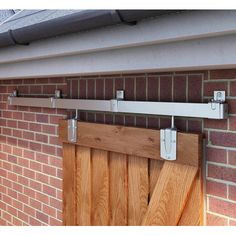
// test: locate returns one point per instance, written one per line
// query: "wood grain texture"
(132, 141)
(138, 189)
(84, 193)
(69, 184)
(170, 194)
(155, 167)
(100, 188)
(192, 213)
(118, 189)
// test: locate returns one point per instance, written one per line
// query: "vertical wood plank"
(83, 185)
(155, 167)
(100, 188)
(69, 184)
(192, 213)
(118, 189)
(170, 194)
(138, 189)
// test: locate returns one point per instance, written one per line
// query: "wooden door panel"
(113, 175)
(138, 186)
(100, 188)
(118, 189)
(83, 183)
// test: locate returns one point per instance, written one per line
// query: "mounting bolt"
(219, 96)
(14, 93)
(58, 93)
(120, 94)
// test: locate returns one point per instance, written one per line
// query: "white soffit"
(189, 40)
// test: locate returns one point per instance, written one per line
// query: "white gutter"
(169, 28)
(211, 53)
(184, 41)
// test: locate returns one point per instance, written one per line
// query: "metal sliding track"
(214, 109)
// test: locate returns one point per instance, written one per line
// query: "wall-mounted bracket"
(72, 130)
(168, 142)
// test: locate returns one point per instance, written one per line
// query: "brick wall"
(30, 154)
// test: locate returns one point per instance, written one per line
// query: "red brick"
(29, 210)
(42, 217)
(36, 89)
(165, 123)
(216, 155)
(213, 220)
(232, 123)
(51, 150)
(29, 116)
(49, 89)
(232, 106)
(49, 170)
(180, 88)
(195, 88)
(141, 94)
(29, 173)
(216, 189)
(82, 89)
(222, 173)
(232, 157)
(119, 84)
(28, 81)
(129, 120)
(223, 74)
(119, 119)
(42, 118)
(22, 125)
(49, 211)
(56, 203)
(42, 178)
(49, 129)
(223, 139)
(222, 207)
(129, 89)
(28, 135)
(153, 88)
(54, 222)
(35, 204)
(55, 119)
(141, 121)
(12, 123)
(29, 192)
(41, 138)
(35, 185)
(215, 124)
(34, 222)
(42, 198)
(35, 127)
(29, 154)
(109, 89)
(40, 157)
(17, 115)
(49, 190)
(17, 133)
(74, 89)
(99, 89)
(35, 166)
(90, 89)
(210, 87)
(55, 182)
(35, 146)
(181, 125)
(232, 222)
(165, 88)
(22, 143)
(232, 193)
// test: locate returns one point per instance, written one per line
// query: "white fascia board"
(163, 29)
(210, 53)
